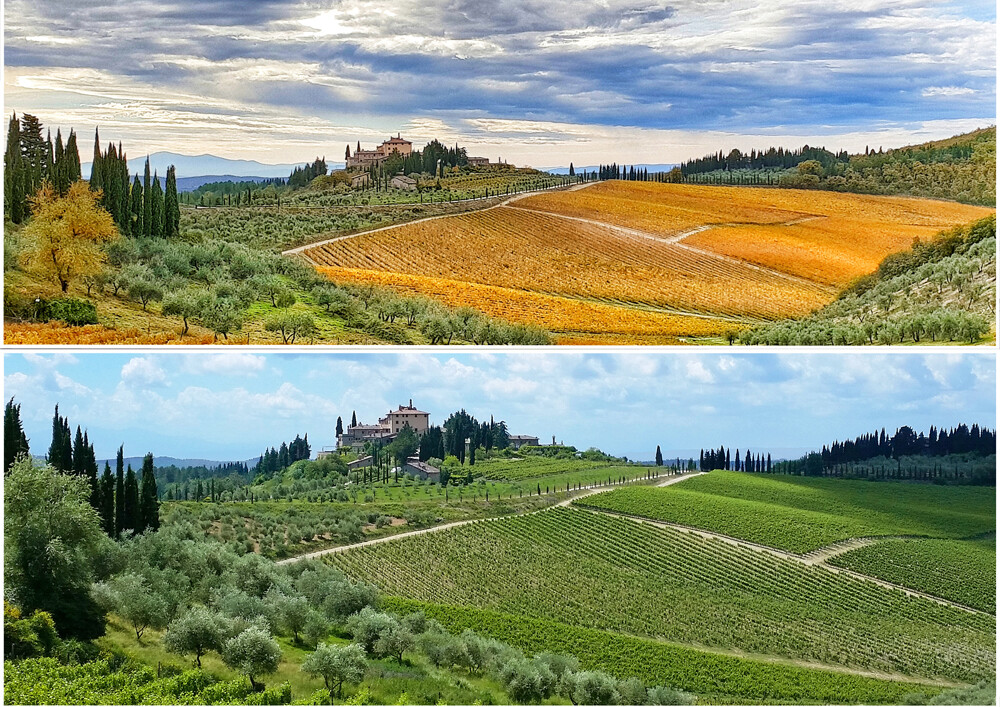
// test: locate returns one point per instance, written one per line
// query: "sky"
(540, 82)
(232, 405)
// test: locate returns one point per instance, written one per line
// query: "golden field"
(573, 320)
(590, 263)
(56, 332)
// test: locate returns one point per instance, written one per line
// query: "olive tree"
(253, 653)
(198, 631)
(336, 665)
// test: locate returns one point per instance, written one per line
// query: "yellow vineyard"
(634, 262)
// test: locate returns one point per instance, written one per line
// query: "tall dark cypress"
(96, 179)
(14, 442)
(34, 152)
(149, 502)
(147, 203)
(132, 518)
(138, 226)
(659, 456)
(90, 471)
(71, 156)
(14, 195)
(171, 206)
(156, 208)
(60, 180)
(107, 501)
(120, 492)
(79, 454)
(60, 454)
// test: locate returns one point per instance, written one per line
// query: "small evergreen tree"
(131, 510)
(120, 492)
(107, 496)
(149, 503)
(659, 456)
(15, 443)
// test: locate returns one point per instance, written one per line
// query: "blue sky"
(537, 81)
(231, 405)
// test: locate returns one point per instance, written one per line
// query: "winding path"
(586, 491)
(814, 558)
(301, 250)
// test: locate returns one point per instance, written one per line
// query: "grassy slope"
(608, 573)
(961, 570)
(800, 514)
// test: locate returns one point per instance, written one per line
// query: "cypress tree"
(354, 419)
(107, 509)
(96, 178)
(659, 456)
(149, 503)
(340, 426)
(14, 442)
(71, 158)
(171, 206)
(59, 178)
(60, 454)
(15, 197)
(79, 454)
(34, 152)
(120, 492)
(147, 202)
(90, 471)
(156, 208)
(138, 226)
(123, 206)
(132, 518)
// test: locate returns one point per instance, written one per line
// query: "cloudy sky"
(231, 405)
(537, 81)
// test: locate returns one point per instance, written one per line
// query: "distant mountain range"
(136, 462)
(189, 166)
(593, 168)
(192, 183)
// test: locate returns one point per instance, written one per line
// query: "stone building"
(362, 159)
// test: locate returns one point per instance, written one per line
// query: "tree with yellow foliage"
(65, 234)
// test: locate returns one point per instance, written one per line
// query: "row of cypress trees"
(123, 501)
(139, 208)
(142, 208)
(31, 159)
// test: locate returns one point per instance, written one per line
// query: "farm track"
(587, 491)
(814, 558)
(301, 250)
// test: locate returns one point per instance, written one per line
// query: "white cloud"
(946, 91)
(140, 372)
(226, 364)
(695, 370)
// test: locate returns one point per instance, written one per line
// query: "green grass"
(615, 574)
(718, 679)
(800, 514)
(963, 571)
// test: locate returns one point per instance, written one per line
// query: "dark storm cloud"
(688, 65)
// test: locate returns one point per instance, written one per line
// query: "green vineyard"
(532, 467)
(613, 574)
(720, 679)
(800, 514)
(963, 571)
